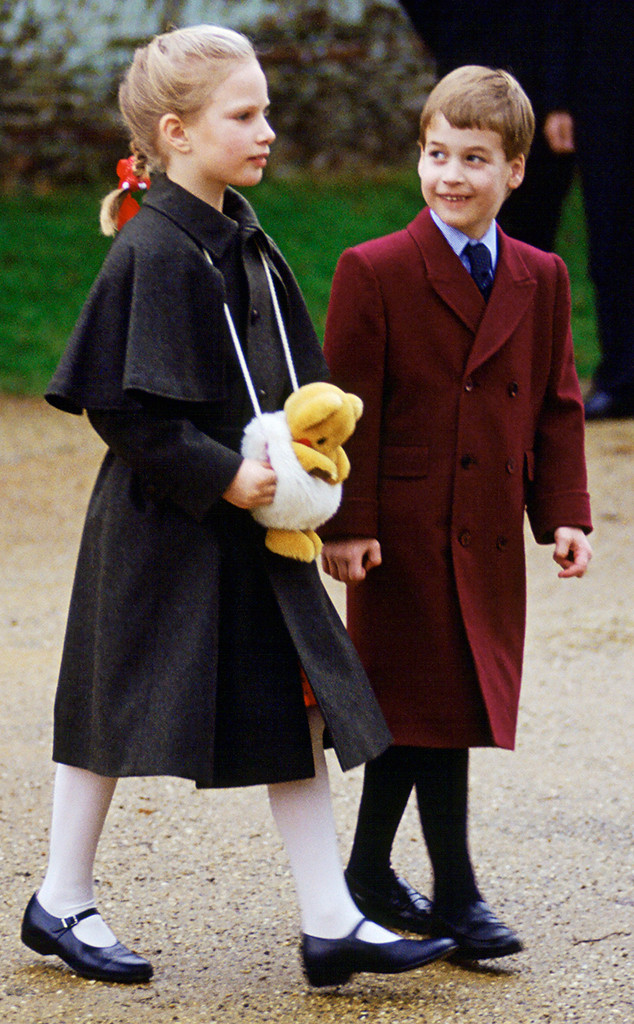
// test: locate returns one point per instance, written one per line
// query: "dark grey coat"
(184, 633)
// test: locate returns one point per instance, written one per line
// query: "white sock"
(80, 805)
(303, 814)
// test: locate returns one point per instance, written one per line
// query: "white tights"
(80, 805)
(302, 812)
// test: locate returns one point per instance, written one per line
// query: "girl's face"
(228, 141)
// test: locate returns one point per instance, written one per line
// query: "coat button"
(468, 384)
(255, 315)
(468, 460)
(501, 543)
(465, 539)
(513, 389)
(511, 465)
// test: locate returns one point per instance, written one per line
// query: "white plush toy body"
(302, 442)
(302, 501)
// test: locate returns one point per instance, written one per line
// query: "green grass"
(51, 250)
(572, 245)
(313, 222)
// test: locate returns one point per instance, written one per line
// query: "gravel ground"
(198, 881)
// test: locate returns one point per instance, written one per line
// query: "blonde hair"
(487, 98)
(176, 73)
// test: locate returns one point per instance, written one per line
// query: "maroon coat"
(472, 414)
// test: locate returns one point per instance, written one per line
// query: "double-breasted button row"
(512, 388)
(465, 538)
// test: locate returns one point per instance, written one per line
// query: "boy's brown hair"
(488, 98)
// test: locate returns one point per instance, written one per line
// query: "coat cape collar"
(208, 227)
(492, 322)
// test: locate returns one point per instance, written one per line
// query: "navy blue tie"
(479, 259)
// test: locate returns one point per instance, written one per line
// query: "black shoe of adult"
(50, 935)
(606, 405)
(394, 904)
(478, 932)
(334, 961)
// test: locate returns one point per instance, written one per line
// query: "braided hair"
(176, 72)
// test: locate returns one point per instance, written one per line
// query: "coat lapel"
(445, 272)
(491, 323)
(513, 292)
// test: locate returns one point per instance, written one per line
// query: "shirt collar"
(458, 240)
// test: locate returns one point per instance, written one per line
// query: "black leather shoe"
(52, 935)
(478, 932)
(606, 405)
(394, 905)
(334, 961)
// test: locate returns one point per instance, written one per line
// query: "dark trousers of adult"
(440, 778)
(608, 190)
(532, 213)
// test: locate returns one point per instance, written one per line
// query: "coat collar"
(211, 229)
(493, 322)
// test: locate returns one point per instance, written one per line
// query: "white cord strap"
(238, 347)
(280, 323)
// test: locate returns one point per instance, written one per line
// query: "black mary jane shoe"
(334, 961)
(50, 936)
(478, 933)
(394, 904)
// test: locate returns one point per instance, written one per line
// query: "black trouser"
(532, 212)
(440, 778)
(609, 199)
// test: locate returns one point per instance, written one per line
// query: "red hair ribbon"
(129, 182)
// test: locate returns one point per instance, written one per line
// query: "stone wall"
(347, 81)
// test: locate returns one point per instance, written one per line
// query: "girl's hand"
(253, 485)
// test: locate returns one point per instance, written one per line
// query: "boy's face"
(465, 175)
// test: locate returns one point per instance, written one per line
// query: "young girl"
(185, 636)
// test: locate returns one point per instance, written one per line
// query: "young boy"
(472, 414)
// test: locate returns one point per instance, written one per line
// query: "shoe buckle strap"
(70, 922)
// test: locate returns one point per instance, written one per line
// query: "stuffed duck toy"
(303, 442)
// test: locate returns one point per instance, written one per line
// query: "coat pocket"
(403, 461)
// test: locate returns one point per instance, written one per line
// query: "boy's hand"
(350, 560)
(572, 551)
(253, 485)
